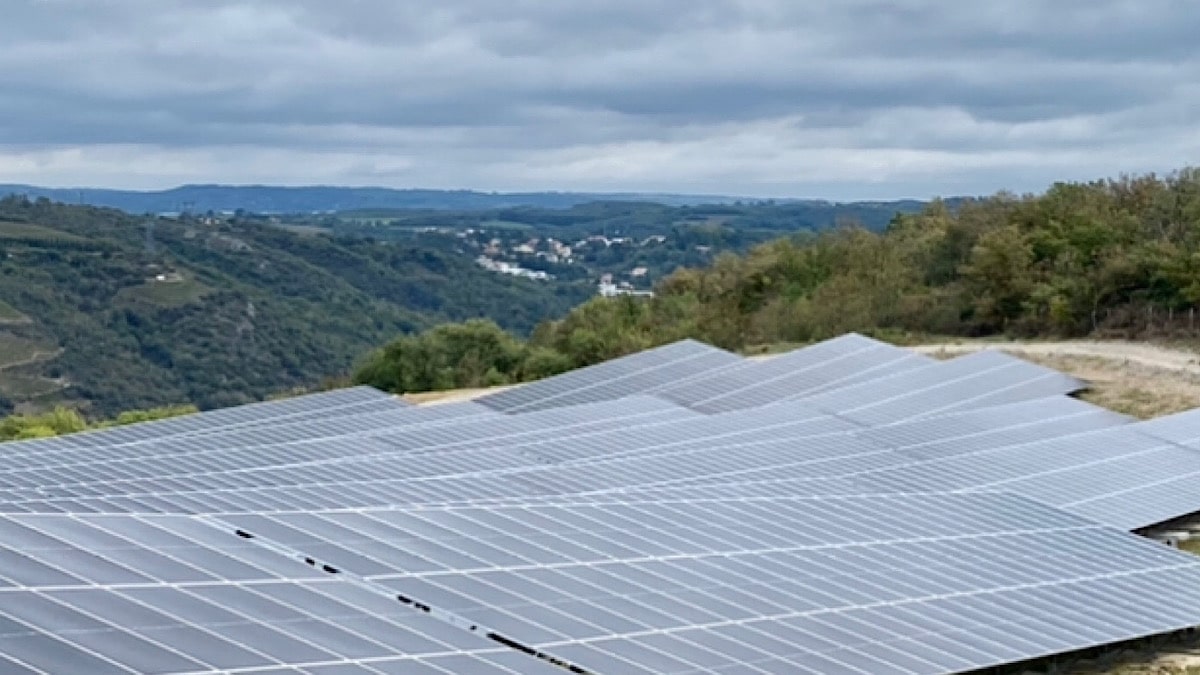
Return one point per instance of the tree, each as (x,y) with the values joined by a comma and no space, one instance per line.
(998,276)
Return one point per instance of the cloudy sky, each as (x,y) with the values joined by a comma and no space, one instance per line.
(841,99)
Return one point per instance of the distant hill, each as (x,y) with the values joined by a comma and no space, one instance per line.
(114,312)
(276,199)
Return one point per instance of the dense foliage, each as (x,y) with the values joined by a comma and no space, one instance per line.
(1118,257)
(473,354)
(106,312)
(62,420)
(1113,256)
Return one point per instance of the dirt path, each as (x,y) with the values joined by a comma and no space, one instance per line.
(1140,353)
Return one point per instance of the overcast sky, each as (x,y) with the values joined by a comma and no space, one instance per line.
(841,99)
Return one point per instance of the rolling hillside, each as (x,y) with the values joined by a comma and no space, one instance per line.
(112,312)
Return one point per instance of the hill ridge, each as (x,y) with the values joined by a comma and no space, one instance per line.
(203,197)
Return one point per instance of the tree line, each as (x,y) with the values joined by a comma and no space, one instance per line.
(1109,258)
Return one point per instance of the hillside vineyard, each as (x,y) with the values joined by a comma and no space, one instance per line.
(849,507)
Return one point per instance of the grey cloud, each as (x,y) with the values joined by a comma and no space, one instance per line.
(923,97)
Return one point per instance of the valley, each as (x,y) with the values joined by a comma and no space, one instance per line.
(104,311)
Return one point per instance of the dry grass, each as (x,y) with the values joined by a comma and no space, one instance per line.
(1173,658)
(1133,389)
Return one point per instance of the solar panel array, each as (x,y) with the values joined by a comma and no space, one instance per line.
(640,373)
(849,507)
(777,585)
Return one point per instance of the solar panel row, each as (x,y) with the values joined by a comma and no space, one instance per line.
(636,374)
(847,507)
(848,360)
(313,406)
(937,584)
(173,595)
(651,454)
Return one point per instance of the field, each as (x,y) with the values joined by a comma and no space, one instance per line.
(26,232)
(504,225)
(27,387)
(15,354)
(18,351)
(9,314)
(165,293)
(305,230)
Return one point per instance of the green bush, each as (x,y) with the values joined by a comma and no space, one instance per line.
(65,421)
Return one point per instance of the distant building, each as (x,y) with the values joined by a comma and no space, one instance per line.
(611,290)
(513,270)
(638,272)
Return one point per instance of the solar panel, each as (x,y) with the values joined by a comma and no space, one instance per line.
(464,447)
(123,594)
(935,584)
(995,426)
(336,430)
(1117,475)
(800,465)
(634,374)
(978,380)
(309,406)
(831,364)
(1182,428)
(763,446)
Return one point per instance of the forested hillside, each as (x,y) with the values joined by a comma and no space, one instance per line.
(1109,258)
(109,312)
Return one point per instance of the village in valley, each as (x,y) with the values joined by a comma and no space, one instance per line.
(612,263)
